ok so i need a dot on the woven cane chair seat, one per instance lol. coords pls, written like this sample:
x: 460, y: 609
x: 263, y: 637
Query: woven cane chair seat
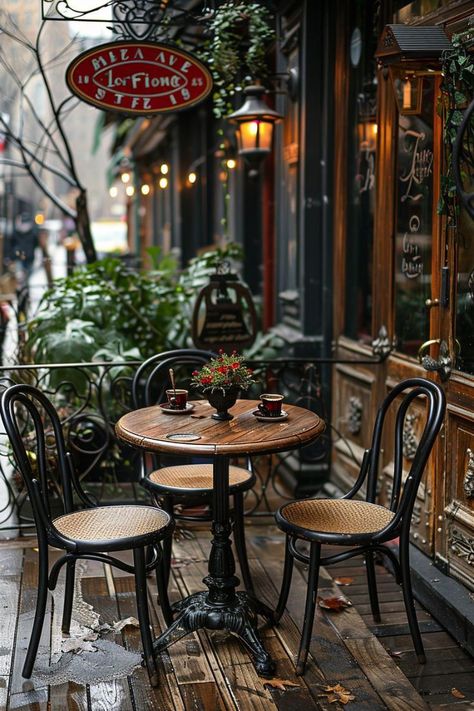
x: 196, y: 476
x: 106, y: 523
x: 337, y: 516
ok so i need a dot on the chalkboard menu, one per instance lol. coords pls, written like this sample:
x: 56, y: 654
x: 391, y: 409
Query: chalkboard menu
x: 224, y: 315
x: 414, y: 224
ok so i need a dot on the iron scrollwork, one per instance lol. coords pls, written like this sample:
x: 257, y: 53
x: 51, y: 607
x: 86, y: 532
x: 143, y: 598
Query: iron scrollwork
x: 132, y: 19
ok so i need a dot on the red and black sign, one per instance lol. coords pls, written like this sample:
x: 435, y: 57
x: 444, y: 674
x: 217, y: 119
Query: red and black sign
x: 139, y: 78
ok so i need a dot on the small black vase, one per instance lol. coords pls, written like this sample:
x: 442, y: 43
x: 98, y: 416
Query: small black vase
x: 221, y: 401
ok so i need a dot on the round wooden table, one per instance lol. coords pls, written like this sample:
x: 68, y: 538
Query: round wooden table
x: 196, y: 434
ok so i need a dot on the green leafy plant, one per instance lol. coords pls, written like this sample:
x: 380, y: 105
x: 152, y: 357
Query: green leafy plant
x: 240, y: 35
x: 457, y: 90
x: 223, y: 373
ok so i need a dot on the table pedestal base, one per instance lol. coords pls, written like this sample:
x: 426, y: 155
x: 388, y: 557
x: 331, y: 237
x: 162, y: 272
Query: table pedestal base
x: 238, y: 616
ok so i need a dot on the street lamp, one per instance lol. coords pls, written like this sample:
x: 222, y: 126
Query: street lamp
x: 255, y: 121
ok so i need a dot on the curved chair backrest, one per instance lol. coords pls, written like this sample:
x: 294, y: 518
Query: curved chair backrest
x: 35, y: 433
x: 151, y: 380
x: 400, y: 398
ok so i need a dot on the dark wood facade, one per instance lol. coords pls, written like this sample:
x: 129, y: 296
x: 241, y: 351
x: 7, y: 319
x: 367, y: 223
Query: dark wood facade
x: 342, y: 238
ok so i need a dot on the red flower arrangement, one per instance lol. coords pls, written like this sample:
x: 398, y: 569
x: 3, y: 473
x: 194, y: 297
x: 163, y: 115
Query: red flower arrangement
x: 223, y: 373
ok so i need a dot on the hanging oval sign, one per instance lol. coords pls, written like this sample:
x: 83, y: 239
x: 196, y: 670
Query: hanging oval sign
x: 139, y: 78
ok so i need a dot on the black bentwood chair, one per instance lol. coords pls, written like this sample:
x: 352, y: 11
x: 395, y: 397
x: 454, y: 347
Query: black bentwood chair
x: 90, y: 533
x: 185, y: 485
x: 364, y: 525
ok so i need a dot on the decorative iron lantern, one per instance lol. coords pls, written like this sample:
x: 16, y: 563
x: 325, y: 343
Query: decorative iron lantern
x: 255, y: 121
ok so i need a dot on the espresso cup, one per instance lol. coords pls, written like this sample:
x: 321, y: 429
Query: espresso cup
x: 177, y: 399
x: 270, y: 404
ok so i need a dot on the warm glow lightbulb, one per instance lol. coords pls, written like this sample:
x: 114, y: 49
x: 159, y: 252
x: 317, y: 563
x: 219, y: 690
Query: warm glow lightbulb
x: 130, y: 190
x: 253, y: 128
x: 164, y: 168
x: 192, y: 177
x: 163, y: 183
x: 113, y: 191
x: 145, y: 189
x: 231, y: 163
x: 125, y: 177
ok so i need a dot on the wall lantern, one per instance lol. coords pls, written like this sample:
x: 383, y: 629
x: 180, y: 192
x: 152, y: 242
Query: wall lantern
x: 408, y: 89
x: 255, y: 121
x: 408, y: 52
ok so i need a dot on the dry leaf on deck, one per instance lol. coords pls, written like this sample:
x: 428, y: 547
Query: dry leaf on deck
x: 337, y: 693
x: 344, y: 581
x: 393, y: 653
x: 334, y: 603
x: 458, y: 694
x: 279, y: 683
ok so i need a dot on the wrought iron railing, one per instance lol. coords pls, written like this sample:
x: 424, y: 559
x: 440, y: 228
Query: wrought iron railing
x: 91, y: 397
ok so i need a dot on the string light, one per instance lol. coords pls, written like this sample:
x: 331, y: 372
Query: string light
x: 130, y: 190
x: 164, y: 169
x: 192, y: 177
x: 125, y: 178
x: 113, y: 191
x: 163, y: 183
x: 145, y: 189
x: 231, y: 163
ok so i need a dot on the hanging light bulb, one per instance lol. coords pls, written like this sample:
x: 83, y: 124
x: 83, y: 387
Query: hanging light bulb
x: 231, y: 163
x: 163, y: 183
x: 125, y: 177
x: 113, y: 191
x: 130, y: 190
x: 145, y: 189
x: 192, y: 177
x: 164, y: 169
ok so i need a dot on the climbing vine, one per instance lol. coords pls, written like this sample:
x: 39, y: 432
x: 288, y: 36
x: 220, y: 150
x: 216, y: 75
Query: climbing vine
x: 457, y: 91
x: 240, y: 35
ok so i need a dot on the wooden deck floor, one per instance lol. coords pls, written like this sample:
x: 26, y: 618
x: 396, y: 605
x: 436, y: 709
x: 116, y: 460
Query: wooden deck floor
x: 210, y: 671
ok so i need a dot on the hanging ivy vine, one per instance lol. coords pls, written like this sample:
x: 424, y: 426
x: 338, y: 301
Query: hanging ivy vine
x: 240, y: 34
x: 457, y: 91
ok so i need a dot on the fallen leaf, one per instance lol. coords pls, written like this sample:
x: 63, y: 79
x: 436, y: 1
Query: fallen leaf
x: 344, y: 581
x: 334, y: 603
x: 337, y: 694
x: 279, y: 683
x: 458, y: 694
x: 118, y: 626
x: 394, y: 654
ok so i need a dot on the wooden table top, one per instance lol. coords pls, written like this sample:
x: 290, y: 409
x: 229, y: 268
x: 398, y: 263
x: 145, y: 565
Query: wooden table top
x: 151, y: 428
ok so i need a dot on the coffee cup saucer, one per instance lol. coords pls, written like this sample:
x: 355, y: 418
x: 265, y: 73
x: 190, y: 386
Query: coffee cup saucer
x: 172, y: 411
x: 269, y: 418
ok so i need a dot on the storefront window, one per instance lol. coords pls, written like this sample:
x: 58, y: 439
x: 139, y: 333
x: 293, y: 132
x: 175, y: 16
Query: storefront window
x: 362, y: 140
x: 465, y: 294
x: 414, y: 225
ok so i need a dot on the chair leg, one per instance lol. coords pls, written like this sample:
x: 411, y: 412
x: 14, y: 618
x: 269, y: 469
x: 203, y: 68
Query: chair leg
x: 311, y: 595
x: 408, y: 598
x: 167, y: 543
x: 162, y: 588
x: 239, y: 542
x: 285, y: 583
x: 143, y: 615
x: 40, y: 611
x: 372, y: 585
x: 68, y: 596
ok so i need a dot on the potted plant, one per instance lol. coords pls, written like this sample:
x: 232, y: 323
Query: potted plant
x: 221, y: 380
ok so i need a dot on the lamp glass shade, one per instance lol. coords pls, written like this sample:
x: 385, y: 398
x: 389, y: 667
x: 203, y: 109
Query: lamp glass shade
x: 408, y: 90
x: 255, y: 136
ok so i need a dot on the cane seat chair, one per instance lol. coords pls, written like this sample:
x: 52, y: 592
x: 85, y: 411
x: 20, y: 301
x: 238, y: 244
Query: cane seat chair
x: 364, y: 527
x: 93, y: 532
x: 178, y: 487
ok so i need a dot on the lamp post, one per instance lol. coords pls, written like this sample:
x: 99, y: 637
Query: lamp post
x: 254, y: 132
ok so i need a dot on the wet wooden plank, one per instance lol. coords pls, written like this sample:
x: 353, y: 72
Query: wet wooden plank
x: 144, y: 696
x: 25, y: 693
x: 114, y: 693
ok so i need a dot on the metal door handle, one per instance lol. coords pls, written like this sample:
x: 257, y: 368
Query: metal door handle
x: 444, y: 362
